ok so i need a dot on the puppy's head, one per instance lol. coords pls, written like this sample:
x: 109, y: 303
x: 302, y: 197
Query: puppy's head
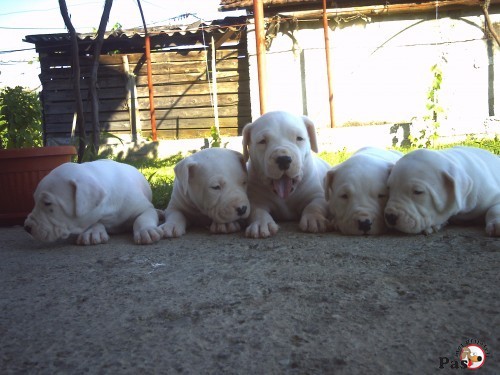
x: 65, y: 200
x: 215, y: 181
x: 278, y: 145
x: 356, y: 191
x: 425, y: 190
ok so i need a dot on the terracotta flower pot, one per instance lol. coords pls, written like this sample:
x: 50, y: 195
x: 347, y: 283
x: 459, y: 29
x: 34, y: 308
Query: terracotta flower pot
x: 20, y: 172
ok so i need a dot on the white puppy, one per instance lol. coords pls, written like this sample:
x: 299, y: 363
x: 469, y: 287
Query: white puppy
x: 91, y: 199
x: 429, y: 187
x: 209, y: 189
x: 356, y: 191
x: 285, y: 179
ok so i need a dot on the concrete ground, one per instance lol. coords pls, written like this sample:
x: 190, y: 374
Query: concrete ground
x: 222, y: 304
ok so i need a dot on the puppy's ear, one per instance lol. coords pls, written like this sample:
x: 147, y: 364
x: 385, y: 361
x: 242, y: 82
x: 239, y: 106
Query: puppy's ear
x: 311, y: 131
x: 246, y: 141
x: 183, y: 170
x: 87, y: 194
x: 458, y: 186
x: 328, y: 181
x: 242, y: 162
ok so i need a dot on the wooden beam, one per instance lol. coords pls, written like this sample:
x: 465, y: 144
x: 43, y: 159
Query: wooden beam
x: 381, y: 10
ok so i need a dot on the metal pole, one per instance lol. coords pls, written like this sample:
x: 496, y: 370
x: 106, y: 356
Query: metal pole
x: 150, y: 87
x: 147, y: 47
x: 328, y: 69
x: 258, y: 13
x: 214, y: 86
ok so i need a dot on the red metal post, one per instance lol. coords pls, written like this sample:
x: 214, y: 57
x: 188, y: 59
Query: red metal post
x: 328, y: 68
x: 258, y: 13
x: 150, y: 87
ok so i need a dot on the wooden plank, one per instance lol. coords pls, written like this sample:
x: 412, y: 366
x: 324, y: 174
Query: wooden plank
x: 188, y: 78
x: 192, y: 133
x: 201, y: 123
x: 195, y: 101
x: 114, y: 61
x: 173, y: 113
x: 162, y: 133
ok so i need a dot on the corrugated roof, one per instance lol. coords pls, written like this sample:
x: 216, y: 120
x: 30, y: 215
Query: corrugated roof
x: 171, y: 31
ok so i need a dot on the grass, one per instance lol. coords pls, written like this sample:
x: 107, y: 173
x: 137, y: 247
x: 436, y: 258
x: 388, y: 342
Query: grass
x: 160, y: 172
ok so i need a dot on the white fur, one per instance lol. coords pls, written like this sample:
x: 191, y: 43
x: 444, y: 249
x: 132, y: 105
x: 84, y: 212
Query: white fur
x: 275, y: 193
x: 428, y: 188
x: 209, y: 189
x: 92, y: 199
x: 356, y: 191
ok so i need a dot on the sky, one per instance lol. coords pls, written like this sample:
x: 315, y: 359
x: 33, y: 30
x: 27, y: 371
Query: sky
x: 19, y: 18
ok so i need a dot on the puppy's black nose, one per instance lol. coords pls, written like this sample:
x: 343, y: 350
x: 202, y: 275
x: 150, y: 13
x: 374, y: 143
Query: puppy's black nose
x: 27, y: 228
x: 283, y: 162
x: 391, y: 219
x: 364, y: 225
x: 241, y: 210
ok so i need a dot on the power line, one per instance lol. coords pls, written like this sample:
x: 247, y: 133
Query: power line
x: 46, y: 10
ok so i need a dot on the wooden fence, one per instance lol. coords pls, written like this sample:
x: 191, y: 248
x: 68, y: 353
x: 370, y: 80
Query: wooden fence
x: 183, y: 93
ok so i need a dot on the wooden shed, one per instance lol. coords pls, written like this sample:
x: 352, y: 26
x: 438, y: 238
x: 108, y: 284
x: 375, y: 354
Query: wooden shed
x: 183, y: 76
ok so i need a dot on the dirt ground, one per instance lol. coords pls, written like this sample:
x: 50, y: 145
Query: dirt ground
x: 222, y: 304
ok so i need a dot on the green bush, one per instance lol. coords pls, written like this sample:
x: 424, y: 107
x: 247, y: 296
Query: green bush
x: 20, y: 118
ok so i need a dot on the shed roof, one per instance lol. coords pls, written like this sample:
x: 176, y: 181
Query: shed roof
x: 133, y: 39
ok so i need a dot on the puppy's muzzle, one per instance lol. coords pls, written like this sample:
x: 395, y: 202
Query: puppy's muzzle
x: 283, y: 162
x: 27, y: 228
x: 391, y: 219
x: 365, y: 225
x: 241, y: 210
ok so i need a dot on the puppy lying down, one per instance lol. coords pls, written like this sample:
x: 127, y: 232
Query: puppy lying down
x: 428, y: 188
x: 92, y: 199
x: 356, y: 191
x: 209, y: 190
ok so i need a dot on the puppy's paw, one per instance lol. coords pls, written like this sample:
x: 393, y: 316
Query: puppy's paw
x: 313, y: 223
x: 148, y: 236
x: 95, y: 235
x: 171, y: 229
x: 218, y: 228
x: 262, y: 229
x: 493, y: 228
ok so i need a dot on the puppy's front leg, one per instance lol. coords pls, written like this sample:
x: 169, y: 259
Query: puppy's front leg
x: 146, y: 229
x: 94, y: 235
x: 261, y: 225
x: 493, y: 221
x: 175, y: 224
x: 313, y: 217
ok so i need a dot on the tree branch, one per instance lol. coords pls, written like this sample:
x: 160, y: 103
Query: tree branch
x: 80, y: 119
x: 93, y: 76
x: 488, y: 23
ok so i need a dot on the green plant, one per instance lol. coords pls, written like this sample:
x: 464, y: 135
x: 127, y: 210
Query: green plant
x: 20, y: 118
x: 423, y: 132
x: 215, y: 141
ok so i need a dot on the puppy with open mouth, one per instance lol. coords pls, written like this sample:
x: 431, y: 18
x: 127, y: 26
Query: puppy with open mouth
x: 285, y: 178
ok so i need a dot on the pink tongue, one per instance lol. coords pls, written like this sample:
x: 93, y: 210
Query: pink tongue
x: 283, y: 186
